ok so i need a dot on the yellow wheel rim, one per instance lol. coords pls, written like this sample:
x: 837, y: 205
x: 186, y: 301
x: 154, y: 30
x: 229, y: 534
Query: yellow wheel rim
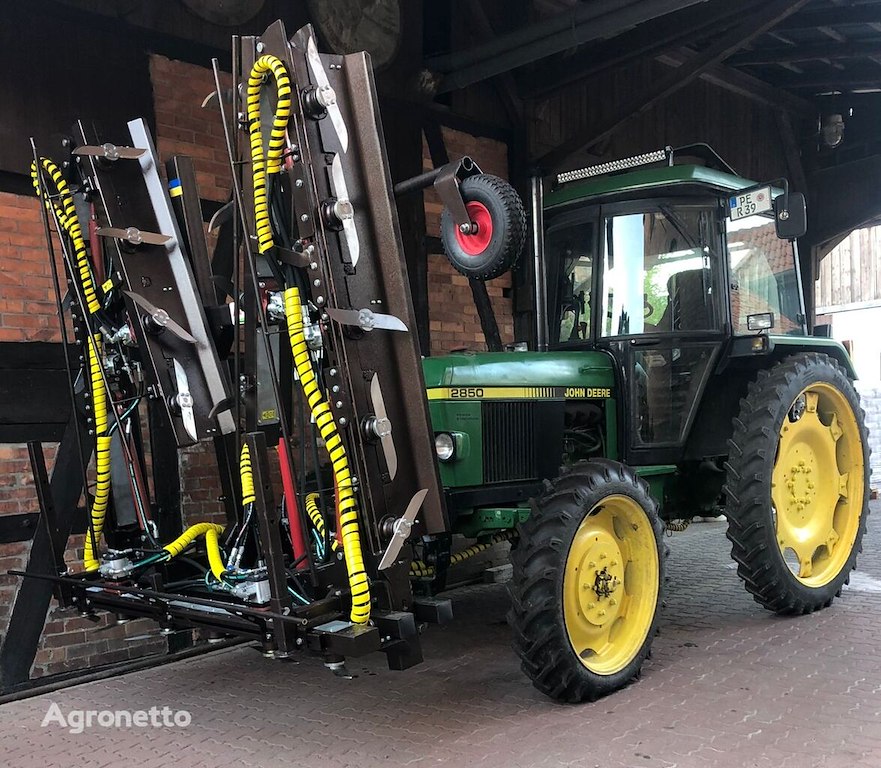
x: 817, y: 485
x: 610, y: 586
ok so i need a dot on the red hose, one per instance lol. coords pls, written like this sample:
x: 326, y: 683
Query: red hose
x: 298, y: 542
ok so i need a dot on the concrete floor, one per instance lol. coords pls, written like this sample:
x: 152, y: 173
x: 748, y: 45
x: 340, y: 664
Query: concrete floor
x: 728, y: 685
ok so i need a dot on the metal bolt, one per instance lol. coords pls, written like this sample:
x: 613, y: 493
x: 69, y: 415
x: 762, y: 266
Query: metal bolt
x: 343, y: 421
x: 332, y: 371
x: 319, y: 300
x: 298, y: 183
x: 316, y: 282
x: 591, y: 564
x: 465, y: 229
x: 601, y: 614
x: 313, y: 265
x: 339, y: 403
x: 335, y: 388
x: 304, y: 217
x: 260, y: 47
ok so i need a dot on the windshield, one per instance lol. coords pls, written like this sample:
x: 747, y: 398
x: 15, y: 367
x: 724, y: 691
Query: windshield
x: 763, y: 277
x: 657, y: 272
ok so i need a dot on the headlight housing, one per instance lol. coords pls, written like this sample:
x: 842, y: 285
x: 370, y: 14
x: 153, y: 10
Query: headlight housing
x: 445, y: 446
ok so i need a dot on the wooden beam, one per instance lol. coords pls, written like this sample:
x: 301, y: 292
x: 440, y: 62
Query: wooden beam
x: 738, y: 82
x: 506, y: 84
x: 734, y: 40
x: 793, y: 54
x: 862, y: 80
x: 668, y: 32
x: 833, y: 17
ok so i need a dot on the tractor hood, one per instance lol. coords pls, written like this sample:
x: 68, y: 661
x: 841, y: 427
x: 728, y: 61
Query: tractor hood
x: 519, y: 369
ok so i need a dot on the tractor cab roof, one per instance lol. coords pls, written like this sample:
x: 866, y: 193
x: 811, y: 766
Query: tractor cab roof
x: 644, y: 182
x: 649, y: 174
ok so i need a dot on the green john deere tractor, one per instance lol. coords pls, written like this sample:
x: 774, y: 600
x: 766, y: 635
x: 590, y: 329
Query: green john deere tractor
x: 674, y: 378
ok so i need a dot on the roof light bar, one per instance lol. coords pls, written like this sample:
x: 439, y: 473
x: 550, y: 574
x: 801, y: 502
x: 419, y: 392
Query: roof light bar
x: 647, y: 158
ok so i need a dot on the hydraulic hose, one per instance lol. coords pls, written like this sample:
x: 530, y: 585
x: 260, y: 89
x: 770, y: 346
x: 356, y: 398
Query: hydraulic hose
x: 247, y: 476
x: 270, y: 161
x: 348, y: 505
x: 419, y: 569
x: 211, y: 532
x: 65, y: 211
x: 318, y: 519
x: 102, y: 456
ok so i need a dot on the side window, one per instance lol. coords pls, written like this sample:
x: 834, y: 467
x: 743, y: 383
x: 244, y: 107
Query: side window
x: 569, y: 257
x: 657, y: 273
x: 762, y: 276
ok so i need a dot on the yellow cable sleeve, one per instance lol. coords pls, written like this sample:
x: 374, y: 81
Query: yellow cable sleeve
x: 270, y: 161
x: 212, y: 546
x: 102, y: 456
x: 348, y: 505
x: 65, y: 210
x: 317, y: 518
x: 211, y: 532
x: 420, y: 569
x: 247, y: 475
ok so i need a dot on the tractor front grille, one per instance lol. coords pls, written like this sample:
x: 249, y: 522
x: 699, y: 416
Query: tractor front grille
x: 510, y: 447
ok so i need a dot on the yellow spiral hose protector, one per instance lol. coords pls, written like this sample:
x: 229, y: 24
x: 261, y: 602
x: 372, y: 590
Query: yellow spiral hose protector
x: 348, y: 506
x: 102, y: 456
x: 317, y: 518
x: 270, y: 161
x: 247, y: 476
x: 419, y: 569
x: 65, y: 211
x: 210, y: 531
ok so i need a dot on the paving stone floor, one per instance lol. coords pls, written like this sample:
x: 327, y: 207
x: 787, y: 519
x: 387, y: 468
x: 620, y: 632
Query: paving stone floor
x: 728, y: 685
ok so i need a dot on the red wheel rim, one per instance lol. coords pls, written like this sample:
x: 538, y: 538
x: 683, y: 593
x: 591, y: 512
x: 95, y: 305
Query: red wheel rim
x: 475, y: 244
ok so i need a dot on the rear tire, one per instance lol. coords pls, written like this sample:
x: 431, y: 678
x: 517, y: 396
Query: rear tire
x: 588, y: 582
x: 797, y: 484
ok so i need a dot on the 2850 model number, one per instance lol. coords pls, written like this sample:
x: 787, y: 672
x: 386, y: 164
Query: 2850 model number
x: 466, y: 393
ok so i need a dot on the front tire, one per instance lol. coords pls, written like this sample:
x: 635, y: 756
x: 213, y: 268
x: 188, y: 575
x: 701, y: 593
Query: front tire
x: 797, y: 484
x: 587, y: 583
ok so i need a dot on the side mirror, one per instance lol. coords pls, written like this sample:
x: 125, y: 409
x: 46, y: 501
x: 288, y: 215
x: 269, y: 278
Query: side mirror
x: 790, y: 215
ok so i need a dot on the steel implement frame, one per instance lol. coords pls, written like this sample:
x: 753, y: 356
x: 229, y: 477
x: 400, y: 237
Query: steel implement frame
x: 131, y: 194
x: 379, y: 280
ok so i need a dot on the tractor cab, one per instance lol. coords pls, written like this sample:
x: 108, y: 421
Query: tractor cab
x: 667, y: 269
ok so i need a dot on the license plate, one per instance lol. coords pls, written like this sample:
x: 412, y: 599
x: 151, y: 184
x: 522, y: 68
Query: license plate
x: 750, y: 203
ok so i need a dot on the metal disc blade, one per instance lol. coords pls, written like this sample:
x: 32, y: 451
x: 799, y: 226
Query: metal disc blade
x: 341, y: 190
x: 110, y: 152
x: 387, y: 442
x: 333, y: 110
x: 169, y: 324
x: 134, y: 235
x: 367, y: 322
x: 398, y: 541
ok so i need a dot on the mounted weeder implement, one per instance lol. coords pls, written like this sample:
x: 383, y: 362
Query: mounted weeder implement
x: 291, y: 351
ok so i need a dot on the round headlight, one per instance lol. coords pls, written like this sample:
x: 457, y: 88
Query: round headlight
x: 444, y: 446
